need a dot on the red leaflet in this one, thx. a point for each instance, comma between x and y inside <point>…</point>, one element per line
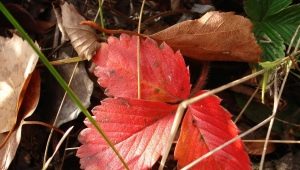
<point>207,125</point>
<point>164,74</point>
<point>140,128</point>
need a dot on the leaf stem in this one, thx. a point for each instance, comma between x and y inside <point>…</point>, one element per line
<point>277,97</point>
<point>111,31</point>
<point>138,63</point>
<point>60,80</point>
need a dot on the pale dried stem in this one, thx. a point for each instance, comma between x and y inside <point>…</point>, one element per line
<point>72,149</point>
<point>293,39</point>
<point>45,165</point>
<point>183,105</point>
<point>272,141</point>
<point>138,66</point>
<point>57,114</point>
<point>277,97</point>
<point>246,105</point>
<point>67,61</point>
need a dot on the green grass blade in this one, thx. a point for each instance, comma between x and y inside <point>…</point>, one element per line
<point>60,80</point>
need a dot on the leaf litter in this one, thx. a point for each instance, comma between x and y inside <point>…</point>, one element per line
<point>125,100</point>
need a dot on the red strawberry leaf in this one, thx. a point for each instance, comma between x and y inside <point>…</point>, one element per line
<point>165,77</point>
<point>206,126</point>
<point>138,128</point>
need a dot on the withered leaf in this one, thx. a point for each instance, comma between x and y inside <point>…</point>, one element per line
<point>83,38</point>
<point>18,61</point>
<point>10,142</point>
<point>256,148</point>
<point>216,36</point>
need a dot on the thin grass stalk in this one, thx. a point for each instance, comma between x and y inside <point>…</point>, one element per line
<point>138,48</point>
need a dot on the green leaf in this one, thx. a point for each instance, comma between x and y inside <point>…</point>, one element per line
<point>258,10</point>
<point>275,23</point>
<point>286,22</point>
<point>270,41</point>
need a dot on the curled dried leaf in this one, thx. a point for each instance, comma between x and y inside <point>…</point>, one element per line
<point>10,141</point>
<point>83,38</point>
<point>18,61</point>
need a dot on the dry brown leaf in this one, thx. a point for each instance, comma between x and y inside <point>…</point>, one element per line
<point>216,36</point>
<point>18,61</point>
<point>81,85</point>
<point>29,104</point>
<point>83,38</point>
<point>256,148</point>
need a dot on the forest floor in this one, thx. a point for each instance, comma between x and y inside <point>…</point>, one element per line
<point>38,18</point>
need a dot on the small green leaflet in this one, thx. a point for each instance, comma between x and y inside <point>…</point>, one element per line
<point>275,23</point>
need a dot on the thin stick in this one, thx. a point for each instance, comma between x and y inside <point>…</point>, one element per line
<point>272,141</point>
<point>246,105</point>
<point>293,39</point>
<point>27,122</point>
<point>45,166</point>
<point>288,123</point>
<point>65,61</point>
<point>183,105</point>
<point>138,48</point>
<point>57,114</point>
<point>71,149</point>
<point>110,31</point>
<point>277,97</point>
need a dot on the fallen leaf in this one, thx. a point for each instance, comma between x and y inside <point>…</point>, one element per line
<point>29,104</point>
<point>138,128</point>
<point>164,74</point>
<point>81,85</point>
<point>8,151</point>
<point>216,36</point>
<point>256,148</point>
<point>83,38</point>
<point>18,61</point>
<point>206,126</point>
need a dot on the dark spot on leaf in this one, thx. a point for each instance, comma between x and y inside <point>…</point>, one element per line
<point>111,72</point>
<point>194,122</point>
<point>124,102</point>
<point>156,64</point>
<point>156,90</point>
<point>201,137</point>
